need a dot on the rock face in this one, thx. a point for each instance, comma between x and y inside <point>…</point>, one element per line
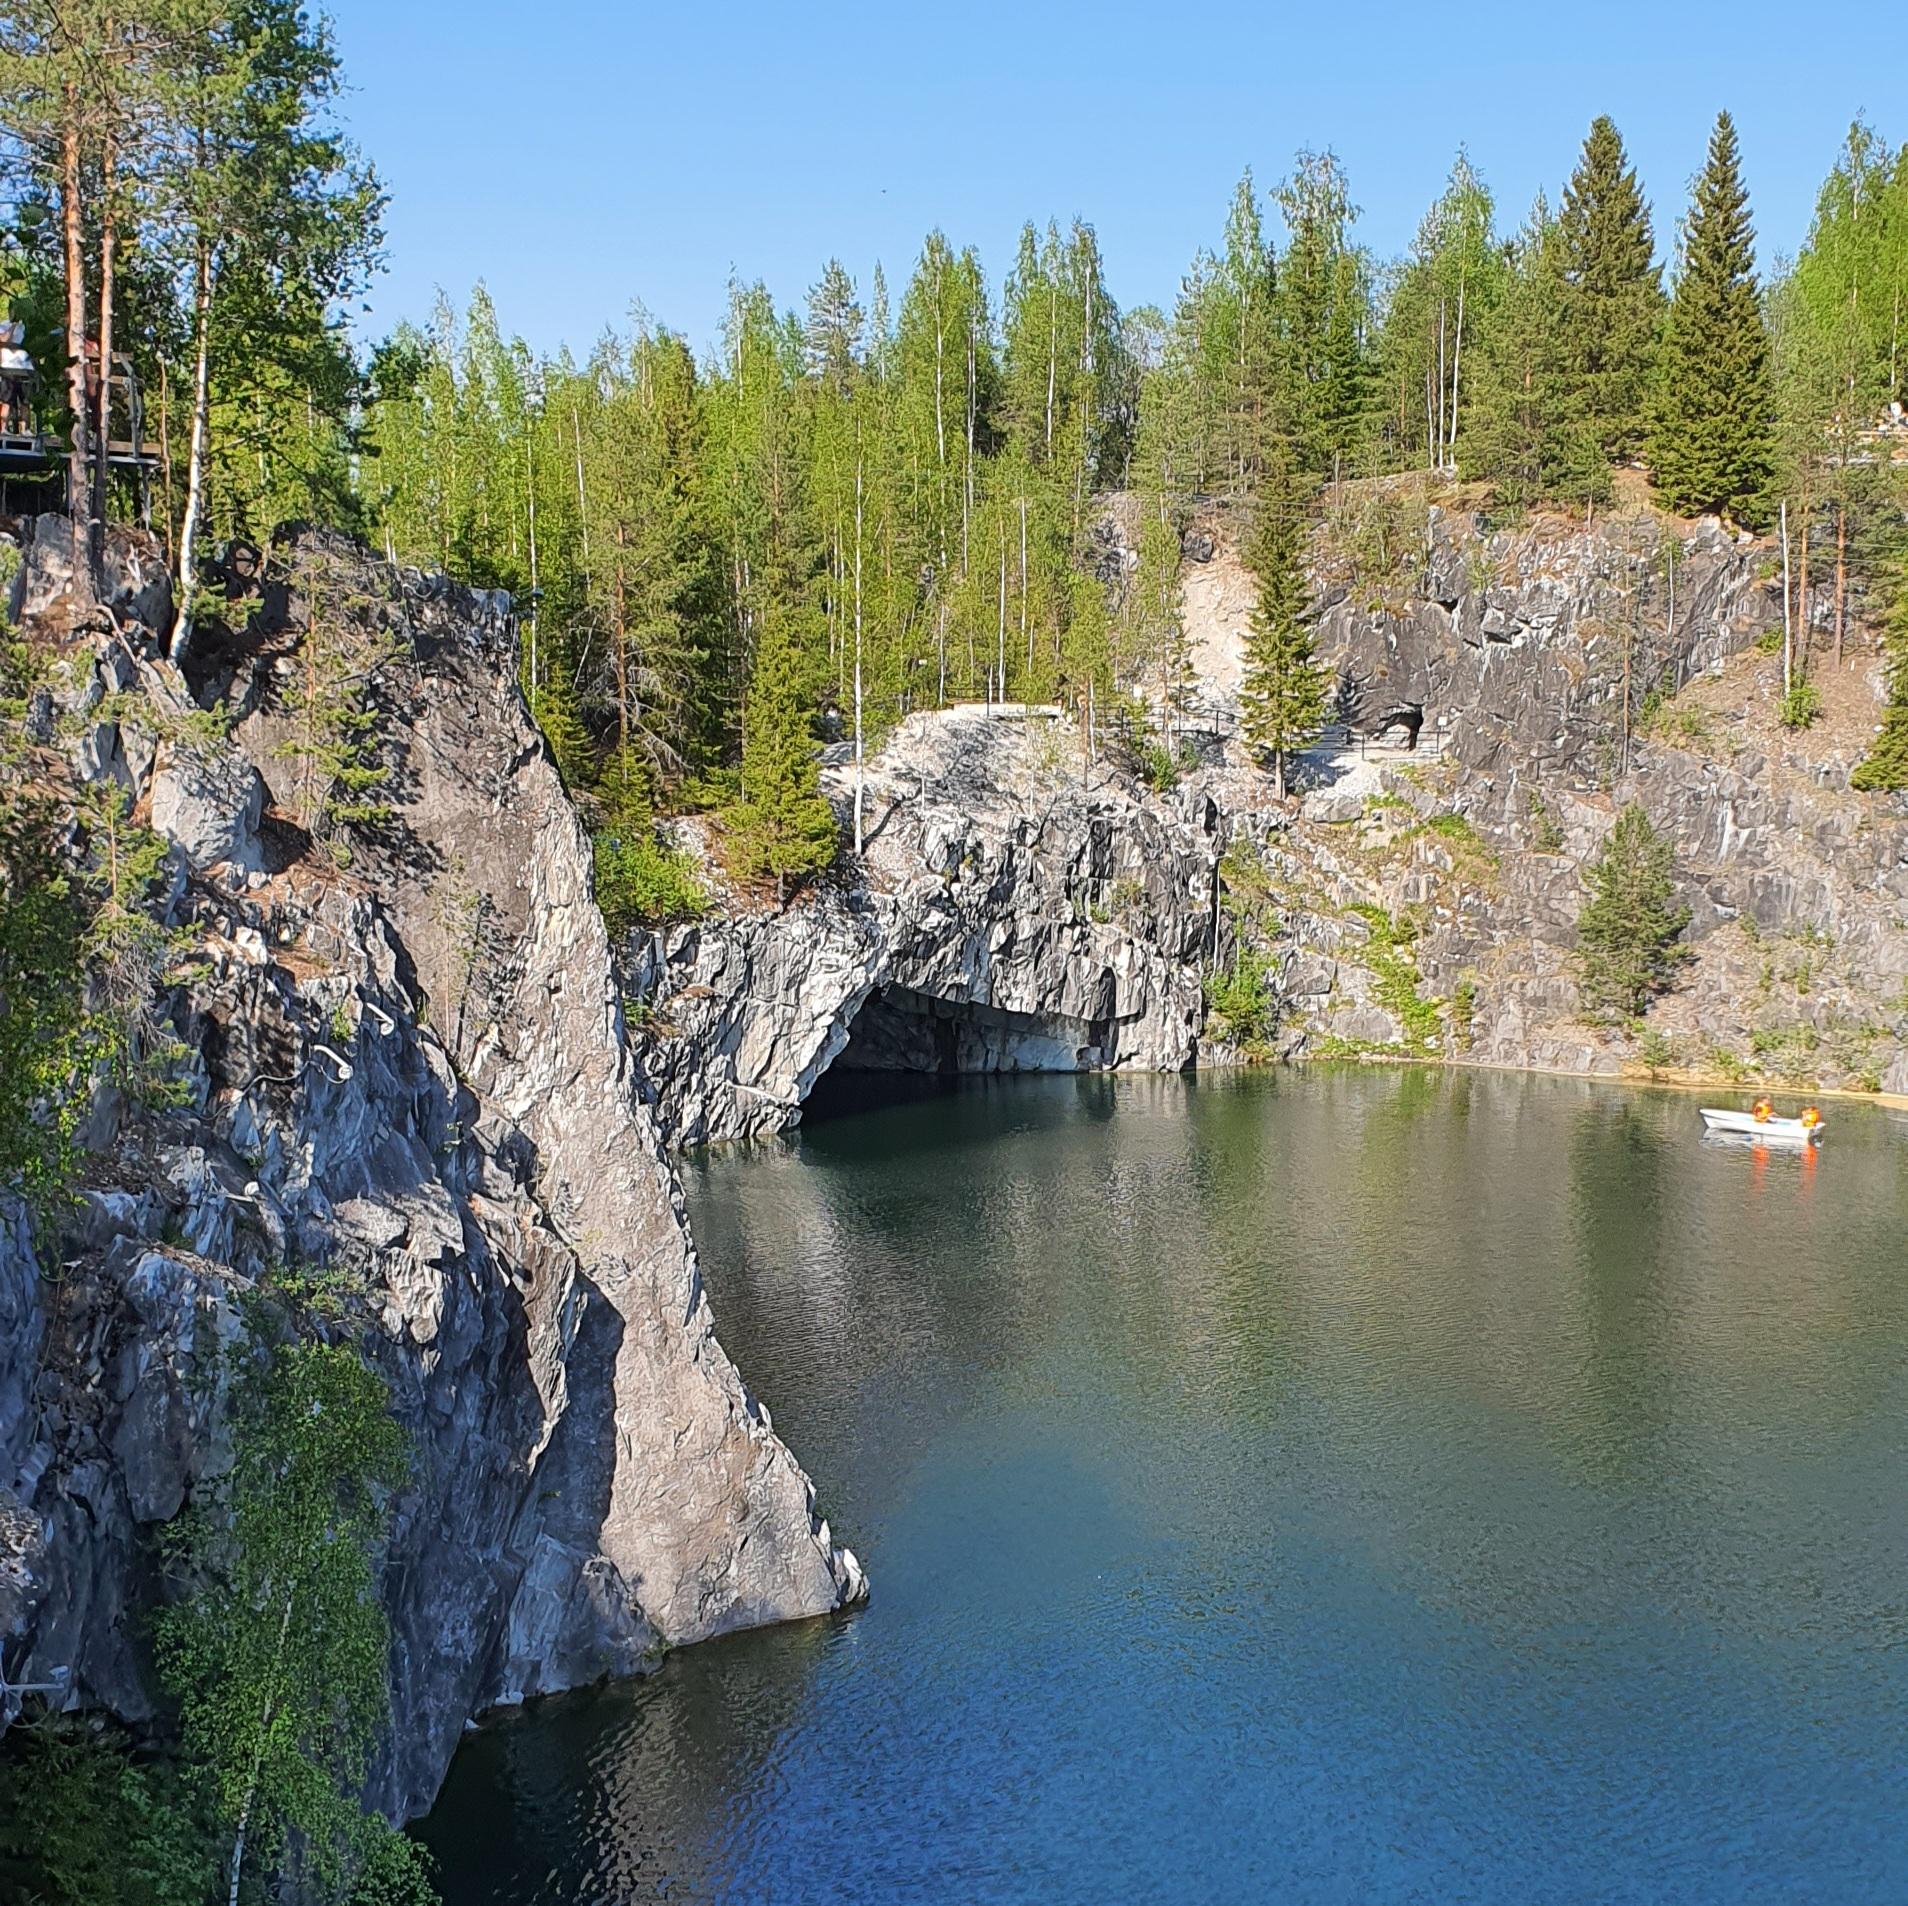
<point>409,1076</point>
<point>1522,647</point>
<point>1419,905</point>
<point>1006,918</point>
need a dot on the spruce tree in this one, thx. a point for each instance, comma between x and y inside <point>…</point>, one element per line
<point>1523,438</point>
<point>782,825</point>
<point>1612,307</point>
<point>1628,930</point>
<point>1285,691</point>
<point>1714,443</point>
<point>831,338</point>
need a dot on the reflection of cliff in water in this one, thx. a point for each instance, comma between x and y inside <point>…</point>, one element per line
<point>1236,1458</point>
<point>632,1786</point>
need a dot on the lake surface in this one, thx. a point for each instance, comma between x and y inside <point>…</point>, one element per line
<point>1354,1485</point>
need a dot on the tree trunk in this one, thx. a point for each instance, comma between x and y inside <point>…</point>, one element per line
<point>619,634</point>
<point>1841,578</point>
<point>1788,627</point>
<point>582,499</point>
<point>967,474</point>
<point>858,745</point>
<point>1457,356</point>
<point>1802,591</point>
<point>195,456</point>
<point>1026,622</point>
<point>530,489</point>
<point>77,491</point>
<point>165,450</point>
<point>1053,356</point>
<point>1000,684</point>
<point>102,446</point>
<point>258,1762</point>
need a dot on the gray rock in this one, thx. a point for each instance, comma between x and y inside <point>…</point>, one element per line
<point>209,804</point>
<point>1005,919</point>
<point>456,1126</point>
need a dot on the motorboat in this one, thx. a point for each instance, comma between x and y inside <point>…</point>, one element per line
<point>1763,1124</point>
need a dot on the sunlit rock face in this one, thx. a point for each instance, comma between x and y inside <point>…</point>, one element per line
<point>1013,911</point>
<point>1017,908</point>
<point>408,1073</point>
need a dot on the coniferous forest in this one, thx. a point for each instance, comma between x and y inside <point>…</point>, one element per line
<point>879,496</point>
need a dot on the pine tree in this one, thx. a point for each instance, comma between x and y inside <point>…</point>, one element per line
<point>782,825</point>
<point>1628,930</point>
<point>1613,303</point>
<point>1713,446</point>
<point>1285,691</point>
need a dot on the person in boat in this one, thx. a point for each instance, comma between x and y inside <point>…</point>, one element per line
<point>1762,1111</point>
<point>1811,1118</point>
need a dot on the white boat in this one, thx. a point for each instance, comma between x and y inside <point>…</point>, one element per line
<point>1789,1131</point>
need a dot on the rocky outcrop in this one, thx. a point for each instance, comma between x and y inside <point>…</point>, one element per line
<point>1531,651</point>
<point>409,1089</point>
<point>1007,915</point>
<point>1419,905</point>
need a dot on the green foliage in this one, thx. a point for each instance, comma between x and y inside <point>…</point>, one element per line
<point>277,1656</point>
<point>1656,1050</point>
<point>781,828</point>
<point>1157,766</point>
<point>1387,956</point>
<point>393,1871</point>
<point>1884,768</point>
<point>641,881</point>
<point>1801,706</point>
<point>1713,447</point>
<point>1547,837</point>
<point>1284,694</point>
<point>1240,1006</point>
<point>336,742</point>
<point>1457,832</point>
<point>83,965</point>
<point>1613,303</point>
<point>1464,1012</point>
<point>1629,929</point>
<point>84,1821</point>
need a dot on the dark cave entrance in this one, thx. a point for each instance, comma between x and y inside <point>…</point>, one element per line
<point>904,1045</point>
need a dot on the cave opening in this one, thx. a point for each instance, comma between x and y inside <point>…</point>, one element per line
<point>903,1045</point>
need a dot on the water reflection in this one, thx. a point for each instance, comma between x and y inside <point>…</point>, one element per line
<point>1356,1485</point>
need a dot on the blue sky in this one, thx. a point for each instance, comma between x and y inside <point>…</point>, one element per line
<point>578,155</point>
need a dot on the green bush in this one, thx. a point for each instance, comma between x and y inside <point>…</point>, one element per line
<point>1239,1002</point>
<point>642,882</point>
<point>86,1822</point>
<point>1157,767</point>
<point>1800,706</point>
<point>393,1871</point>
<point>1387,957</point>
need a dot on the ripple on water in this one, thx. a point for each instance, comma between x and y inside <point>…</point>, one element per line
<point>1350,1486</point>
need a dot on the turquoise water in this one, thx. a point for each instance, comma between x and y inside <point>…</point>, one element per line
<point>1354,1486</point>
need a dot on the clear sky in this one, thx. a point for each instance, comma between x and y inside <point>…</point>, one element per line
<point>578,155</point>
